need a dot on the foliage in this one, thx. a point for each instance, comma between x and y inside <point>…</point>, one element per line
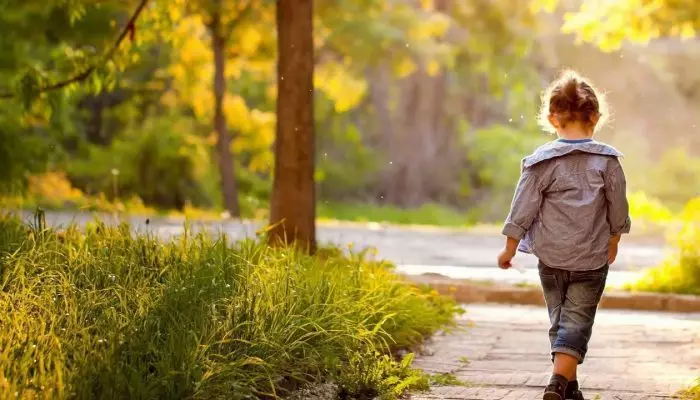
<point>446,379</point>
<point>675,179</point>
<point>495,154</point>
<point>692,393</point>
<point>162,161</point>
<point>20,154</point>
<point>648,214</point>
<point>609,23</point>
<point>107,313</point>
<point>680,273</point>
<point>371,375</point>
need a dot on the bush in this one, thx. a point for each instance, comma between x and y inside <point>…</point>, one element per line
<point>163,162</point>
<point>675,178</point>
<point>110,314</point>
<point>680,273</point>
<point>495,154</point>
<point>648,214</point>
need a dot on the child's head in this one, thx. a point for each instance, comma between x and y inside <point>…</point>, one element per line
<point>572,103</point>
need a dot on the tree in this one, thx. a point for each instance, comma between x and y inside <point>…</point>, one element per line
<point>609,23</point>
<point>219,36</point>
<point>293,203</point>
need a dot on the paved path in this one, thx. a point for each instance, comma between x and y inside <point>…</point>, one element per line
<point>633,355</point>
<point>429,250</point>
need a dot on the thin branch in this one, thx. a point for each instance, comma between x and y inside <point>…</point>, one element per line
<point>128,28</point>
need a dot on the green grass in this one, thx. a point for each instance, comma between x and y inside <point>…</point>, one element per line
<point>446,379</point>
<point>105,313</point>
<point>430,214</point>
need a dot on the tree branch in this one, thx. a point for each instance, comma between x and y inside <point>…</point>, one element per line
<point>128,29</point>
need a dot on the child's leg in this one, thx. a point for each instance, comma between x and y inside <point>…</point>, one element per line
<point>572,300</point>
<point>565,365</point>
<point>578,310</point>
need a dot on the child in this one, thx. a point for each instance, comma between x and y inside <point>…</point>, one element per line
<point>569,209</point>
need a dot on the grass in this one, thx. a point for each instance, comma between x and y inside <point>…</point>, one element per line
<point>430,214</point>
<point>105,313</point>
<point>446,379</point>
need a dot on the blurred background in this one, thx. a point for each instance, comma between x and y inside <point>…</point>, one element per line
<point>423,108</point>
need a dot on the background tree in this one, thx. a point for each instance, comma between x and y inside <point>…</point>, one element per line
<point>293,203</point>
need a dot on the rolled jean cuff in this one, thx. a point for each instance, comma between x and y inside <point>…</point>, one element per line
<point>568,351</point>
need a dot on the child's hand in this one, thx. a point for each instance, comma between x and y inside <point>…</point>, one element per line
<point>505,257</point>
<point>612,248</point>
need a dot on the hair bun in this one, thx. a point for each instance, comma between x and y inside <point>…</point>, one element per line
<point>570,91</point>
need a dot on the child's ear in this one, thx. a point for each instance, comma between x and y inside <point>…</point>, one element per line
<point>594,119</point>
<point>554,121</point>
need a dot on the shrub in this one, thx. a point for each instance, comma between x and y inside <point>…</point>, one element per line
<point>648,214</point>
<point>680,273</point>
<point>111,314</point>
<point>163,162</point>
<point>675,178</point>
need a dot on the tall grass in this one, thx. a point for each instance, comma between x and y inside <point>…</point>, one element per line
<point>105,313</point>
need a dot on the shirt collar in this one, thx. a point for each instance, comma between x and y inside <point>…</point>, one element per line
<point>560,148</point>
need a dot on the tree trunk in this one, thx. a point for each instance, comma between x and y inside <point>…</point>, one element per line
<point>226,167</point>
<point>293,203</point>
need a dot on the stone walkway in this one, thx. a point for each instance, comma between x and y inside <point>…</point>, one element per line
<point>501,352</point>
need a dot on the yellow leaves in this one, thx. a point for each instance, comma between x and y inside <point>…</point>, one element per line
<point>608,23</point>
<point>340,85</point>
<point>687,31</point>
<point>237,113</point>
<point>435,26</point>
<point>543,5</point>
<point>432,68</point>
<point>253,131</point>
<point>403,67</point>
<point>250,39</point>
<point>428,5</point>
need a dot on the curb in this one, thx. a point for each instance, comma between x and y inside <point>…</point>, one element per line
<point>464,291</point>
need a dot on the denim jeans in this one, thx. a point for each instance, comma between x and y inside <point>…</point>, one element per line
<point>572,300</point>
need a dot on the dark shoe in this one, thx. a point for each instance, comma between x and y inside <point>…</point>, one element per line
<point>575,395</point>
<point>554,391</point>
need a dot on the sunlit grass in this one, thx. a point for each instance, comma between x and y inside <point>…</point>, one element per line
<point>430,214</point>
<point>105,313</point>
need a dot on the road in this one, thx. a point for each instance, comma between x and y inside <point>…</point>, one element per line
<point>420,251</point>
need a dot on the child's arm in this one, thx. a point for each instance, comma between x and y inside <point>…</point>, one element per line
<point>616,196</point>
<point>525,206</point>
<point>618,208</point>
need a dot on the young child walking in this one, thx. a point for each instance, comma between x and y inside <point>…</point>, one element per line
<point>570,210</point>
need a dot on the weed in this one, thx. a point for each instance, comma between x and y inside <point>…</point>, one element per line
<point>446,379</point>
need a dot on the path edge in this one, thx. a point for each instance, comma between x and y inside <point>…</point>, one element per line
<point>466,291</point>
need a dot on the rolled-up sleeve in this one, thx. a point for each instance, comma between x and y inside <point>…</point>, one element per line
<point>525,206</point>
<point>616,195</point>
